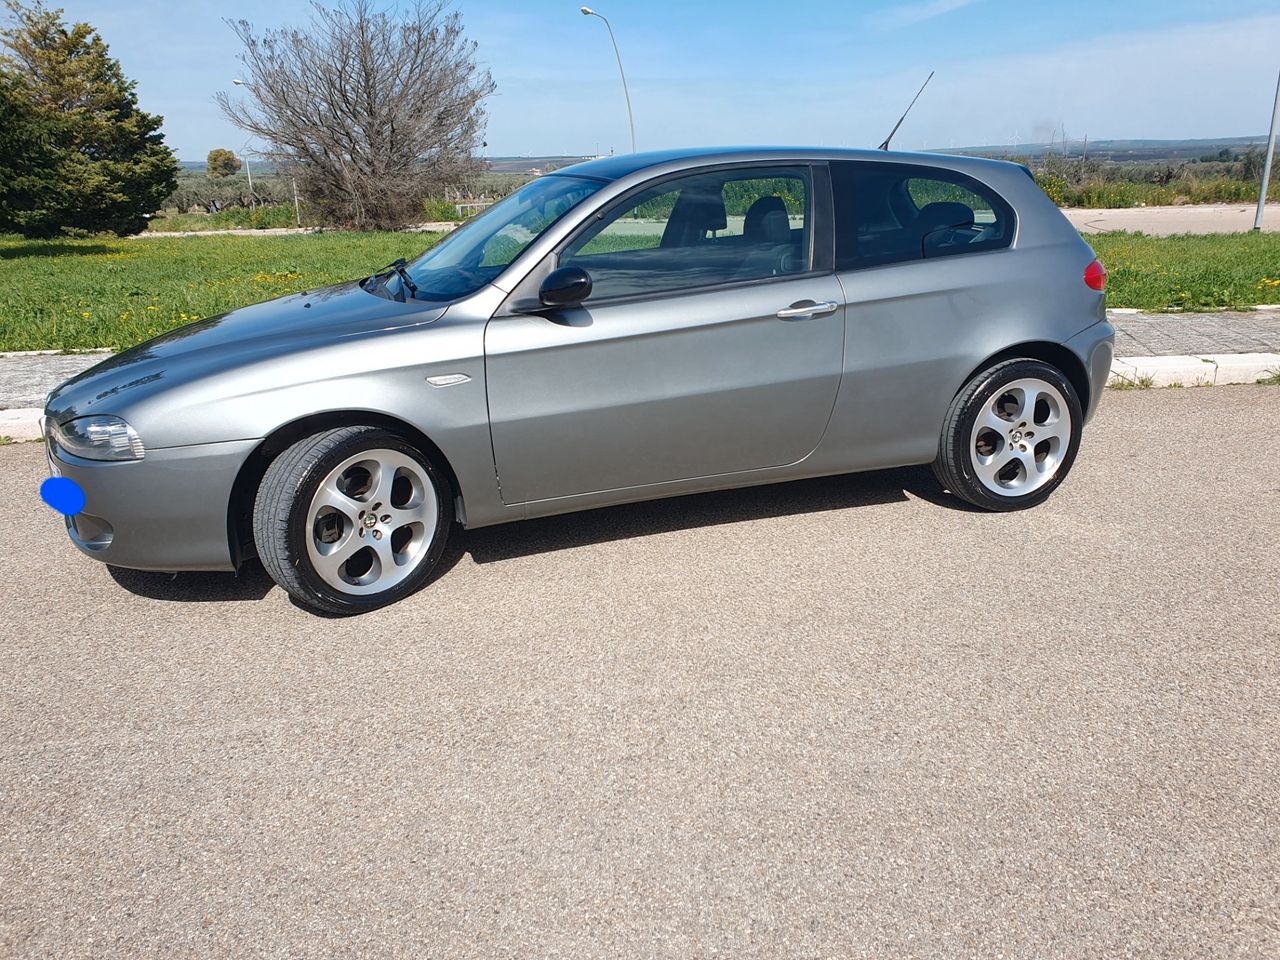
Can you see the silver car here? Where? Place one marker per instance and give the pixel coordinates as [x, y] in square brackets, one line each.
[628, 328]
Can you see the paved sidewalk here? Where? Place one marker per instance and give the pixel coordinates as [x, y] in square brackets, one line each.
[1169, 334]
[1197, 347]
[25, 378]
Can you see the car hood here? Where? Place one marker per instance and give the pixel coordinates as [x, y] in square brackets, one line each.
[249, 335]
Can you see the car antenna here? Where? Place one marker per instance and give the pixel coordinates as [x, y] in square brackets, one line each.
[885, 145]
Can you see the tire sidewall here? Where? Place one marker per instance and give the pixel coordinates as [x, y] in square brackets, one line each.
[985, 390]
[299, 528]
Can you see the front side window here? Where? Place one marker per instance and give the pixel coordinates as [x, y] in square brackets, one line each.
[479, 250]
[891, 213]
[724, 226]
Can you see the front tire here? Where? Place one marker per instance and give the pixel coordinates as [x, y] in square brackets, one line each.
[352, 519]
[1010, 436]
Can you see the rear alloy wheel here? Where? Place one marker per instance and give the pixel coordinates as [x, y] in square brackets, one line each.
[351, 519]
[1010, 436]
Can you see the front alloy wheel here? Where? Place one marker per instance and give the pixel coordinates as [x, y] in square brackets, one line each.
[351, 519]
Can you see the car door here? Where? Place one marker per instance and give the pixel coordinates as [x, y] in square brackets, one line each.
[711, 342]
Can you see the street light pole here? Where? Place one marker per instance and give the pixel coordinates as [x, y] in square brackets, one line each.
[297, 208]
[1266, 165]
[249, 173]
[588, 12]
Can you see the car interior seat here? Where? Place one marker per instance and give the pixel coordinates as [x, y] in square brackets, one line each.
[937, 222]
[766, 232]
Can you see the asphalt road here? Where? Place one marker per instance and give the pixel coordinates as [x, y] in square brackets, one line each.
[1167, 221]
[839, 718]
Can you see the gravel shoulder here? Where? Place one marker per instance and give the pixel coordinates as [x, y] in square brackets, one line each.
[832, 718]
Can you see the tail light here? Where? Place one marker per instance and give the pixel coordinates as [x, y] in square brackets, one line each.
[1095, 276]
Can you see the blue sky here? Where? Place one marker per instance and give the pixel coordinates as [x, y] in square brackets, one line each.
[803, 71]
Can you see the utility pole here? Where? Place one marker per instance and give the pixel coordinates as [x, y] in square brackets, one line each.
[1266, 166]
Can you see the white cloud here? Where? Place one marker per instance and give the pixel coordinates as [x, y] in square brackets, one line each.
[911, 13]
[1201, 80]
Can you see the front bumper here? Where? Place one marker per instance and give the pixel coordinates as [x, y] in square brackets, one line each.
[167, 511]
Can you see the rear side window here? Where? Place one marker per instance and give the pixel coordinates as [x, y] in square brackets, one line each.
[895, 213]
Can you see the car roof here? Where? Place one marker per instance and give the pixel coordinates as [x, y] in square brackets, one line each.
[623, 164]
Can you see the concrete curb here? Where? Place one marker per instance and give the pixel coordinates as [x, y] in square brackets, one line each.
[1200, 370]
[1206, 370]
[21, 424]
[6, 354]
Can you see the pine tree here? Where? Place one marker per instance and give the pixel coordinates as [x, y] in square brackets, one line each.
[27, 154]
[107, 163]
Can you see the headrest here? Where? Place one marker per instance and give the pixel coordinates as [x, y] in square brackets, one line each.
[940, 214]
[704, 211]
[767, 222]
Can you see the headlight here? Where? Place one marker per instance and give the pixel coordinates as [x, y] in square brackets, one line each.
[100, 438]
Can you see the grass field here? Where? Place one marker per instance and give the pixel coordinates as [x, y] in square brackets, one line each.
[1219, 271]
[74, 294]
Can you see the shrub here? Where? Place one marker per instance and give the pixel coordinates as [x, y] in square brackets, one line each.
[437, 210]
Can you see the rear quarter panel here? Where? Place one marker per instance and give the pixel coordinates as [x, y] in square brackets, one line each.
[917, 331]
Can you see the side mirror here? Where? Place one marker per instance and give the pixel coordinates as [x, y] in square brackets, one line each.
[565, 287]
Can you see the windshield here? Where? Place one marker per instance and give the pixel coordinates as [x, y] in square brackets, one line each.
[482, 248]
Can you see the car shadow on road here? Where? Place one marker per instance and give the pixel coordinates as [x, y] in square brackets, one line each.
[603, 525]
[548, 534]
[250, 583]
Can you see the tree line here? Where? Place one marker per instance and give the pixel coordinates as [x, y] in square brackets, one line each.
[369, 111]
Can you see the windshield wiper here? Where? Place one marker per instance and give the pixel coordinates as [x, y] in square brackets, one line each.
[397, 267]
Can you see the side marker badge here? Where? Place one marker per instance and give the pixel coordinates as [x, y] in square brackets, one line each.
[448, 379]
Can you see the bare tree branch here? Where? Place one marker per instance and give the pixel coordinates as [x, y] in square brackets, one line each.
[370, 110]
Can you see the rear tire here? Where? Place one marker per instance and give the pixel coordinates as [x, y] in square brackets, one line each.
[352, 519]
[1010, 436]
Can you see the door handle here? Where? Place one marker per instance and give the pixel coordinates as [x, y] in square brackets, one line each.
[807, 309]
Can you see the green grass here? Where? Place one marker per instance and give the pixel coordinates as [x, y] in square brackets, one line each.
[1142, 383]
[74, 294]
[1213, 272]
